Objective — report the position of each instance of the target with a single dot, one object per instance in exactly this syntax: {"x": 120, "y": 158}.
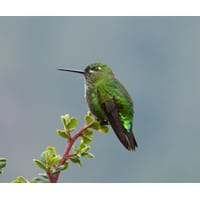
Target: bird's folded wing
{"x": 111, "y": 111}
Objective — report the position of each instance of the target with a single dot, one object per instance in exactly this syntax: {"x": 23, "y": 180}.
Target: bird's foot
{"x": 104, "y": 122}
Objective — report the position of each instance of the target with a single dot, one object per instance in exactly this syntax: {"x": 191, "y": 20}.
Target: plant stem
{"x": 67, "y": 155}
{"x": 50, "y": 177}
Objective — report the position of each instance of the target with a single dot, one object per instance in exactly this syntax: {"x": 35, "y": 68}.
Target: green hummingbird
{"x": 109, "y": 101}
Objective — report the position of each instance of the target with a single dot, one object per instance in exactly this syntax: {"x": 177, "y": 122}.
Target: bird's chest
{"x": 94, "y": 104}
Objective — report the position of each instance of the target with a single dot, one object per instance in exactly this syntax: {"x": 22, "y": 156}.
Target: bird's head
{"x": 93, "y": 72}
{"x": 96, "y": 71}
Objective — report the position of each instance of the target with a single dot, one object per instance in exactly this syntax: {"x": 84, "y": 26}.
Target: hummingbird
{"x": 109, "y": 101}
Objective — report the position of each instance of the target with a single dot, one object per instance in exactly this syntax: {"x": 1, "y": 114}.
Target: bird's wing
{"x": 110, "y": 108}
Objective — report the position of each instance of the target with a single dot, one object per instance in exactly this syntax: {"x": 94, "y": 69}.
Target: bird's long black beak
{"x": 71, "y": 70}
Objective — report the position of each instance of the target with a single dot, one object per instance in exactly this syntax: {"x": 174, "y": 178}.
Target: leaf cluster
{"x": 2, "y": 164}
{"x": 51, "y": 163}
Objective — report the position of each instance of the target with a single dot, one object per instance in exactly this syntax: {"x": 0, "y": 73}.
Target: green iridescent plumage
{"x": 109, "y": 101}
{"x": 109, "y": 88}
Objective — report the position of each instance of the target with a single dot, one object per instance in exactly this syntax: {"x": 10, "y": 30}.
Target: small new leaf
{"x": 103, "y": 129}
{"x": 84, "y": 149}
{"x": 87, "y": 155}
{"x": 82, "y": 144}
{"x": 65, "y": 120}
{"x": 95, "y": 125}
{"x": 88, "y": 132}
{"x": 55, "y": 160}
{"x": 40, "y": 164}
{"x": 49, "y": 156}
{"x": 51, "y": 150}
{"x": 20, "y": 179}
{"x": 63, "y": 133}
{"x": 89, "y": 118}
{"x": 43, "y": 175}
{"x": 2, "y": 164}
{"x": 86, "y": 139}
{"x": 39, "y": 180}
{"x": 61, "y": 168}
{"x": 76, "y": 160}
{"x": 72, "y": 124}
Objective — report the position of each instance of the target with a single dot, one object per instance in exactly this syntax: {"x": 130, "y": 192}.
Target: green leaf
{"x": 48, "y": 156}
{"x": 43, "y": 179}
{"x": 20, "y": 179}
{"x": 72, "y": 124}
{"x": 76, "y": 160}
{"x": 86, "y": 139}
{"x": 65, "y": 120}
{"x": 40, "y": 164}
{"x": 103, "y": 129}
{"x": 88, "y": 132}
{"x": 51, "y": 150}
{"x": 61, "y": 168}
{"x": 84, "y": 149}
{"x": 39, "y": 180}
{"x": 95, "y": 125}
{"x": 43, "y": 175}
{"x": 63, "y": 133}
{"x": 43, "y": 157}
{"x": 87, "y": 155}
{"x": 33, "y": 180}
{"x": 2, "y": 164}
{"x": 89, "y": 118}
{"x": 82, "y": 144}
{"x": 55, "y": 160}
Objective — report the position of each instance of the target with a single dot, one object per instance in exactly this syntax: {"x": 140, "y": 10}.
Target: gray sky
{"x": 156, "y": 58}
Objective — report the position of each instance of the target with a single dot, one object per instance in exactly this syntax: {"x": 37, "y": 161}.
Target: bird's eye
{"x": 91, "y": 71}
{"x": 95, "y": 69}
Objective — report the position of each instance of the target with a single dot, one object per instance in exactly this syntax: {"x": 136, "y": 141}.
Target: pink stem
{"x": 67, "y": 155}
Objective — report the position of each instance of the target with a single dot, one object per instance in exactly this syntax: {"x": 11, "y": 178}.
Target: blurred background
{"x": 156, "y": 58}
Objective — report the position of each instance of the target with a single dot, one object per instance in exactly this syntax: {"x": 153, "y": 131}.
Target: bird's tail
{"x": 125, "y": 137}
{"x": 132, "y": 141}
